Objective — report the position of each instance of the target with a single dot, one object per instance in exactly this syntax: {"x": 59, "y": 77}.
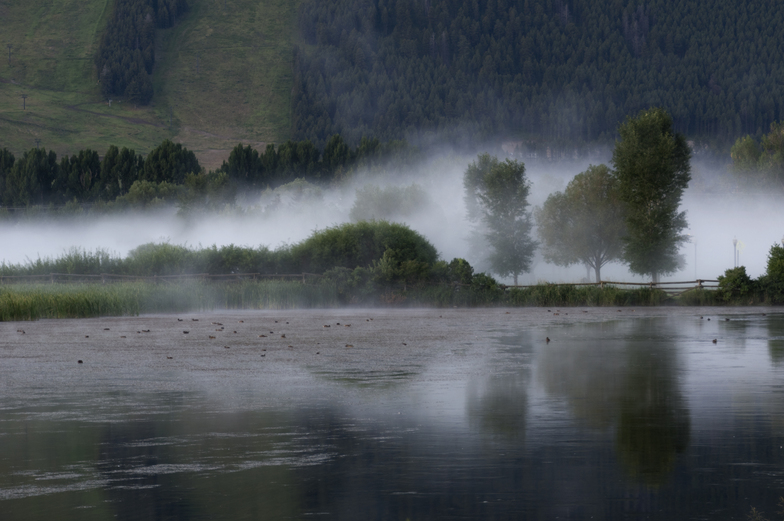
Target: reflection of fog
{"x": 628, "y": 384}
{"x": 498, "y": 405}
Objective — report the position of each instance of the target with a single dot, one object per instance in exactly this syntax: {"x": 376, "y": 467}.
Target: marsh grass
{"x": 557, "y": 295}
{"x": 699, "y": 297}
{"x": 536, "y": 296}
{"x": 35, "y": 301}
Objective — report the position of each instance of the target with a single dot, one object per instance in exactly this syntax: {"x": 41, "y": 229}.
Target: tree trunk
{"x": 598, "y": 270}
{"x": 515, "y": 279}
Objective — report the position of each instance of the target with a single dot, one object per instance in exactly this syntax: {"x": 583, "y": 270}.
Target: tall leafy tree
{"x": 761, "y": 164}
{"x": 584, "y": 223}
{"x": 170, "y": 162}
{"x": 501, "y": 197}
{"x": 652, "y": 165}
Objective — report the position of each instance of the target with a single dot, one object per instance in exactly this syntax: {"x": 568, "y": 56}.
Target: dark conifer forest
{"x": 561, "y": 71}
{"x": 127, "y": 51}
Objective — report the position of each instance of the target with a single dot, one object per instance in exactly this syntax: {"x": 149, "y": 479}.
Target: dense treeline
{"x": 122, "y": 175}
{"x": 558, "y": 70}
{"x": 276, "y": 166}
{"x": 127, "y": 50}
{"x": 760, "y": 163}
{"x": 37, "y": 178}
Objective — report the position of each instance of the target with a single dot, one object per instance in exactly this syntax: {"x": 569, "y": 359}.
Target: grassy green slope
{"x": 52, "y": 61}
{"x": 241, "y": 93}
{"x": 241, "y": 90}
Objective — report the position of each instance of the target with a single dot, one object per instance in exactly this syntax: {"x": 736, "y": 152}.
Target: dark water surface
{"x": 404, "y": 414}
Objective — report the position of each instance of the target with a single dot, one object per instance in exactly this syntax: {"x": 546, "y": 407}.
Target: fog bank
{"x": 292, "y": 214}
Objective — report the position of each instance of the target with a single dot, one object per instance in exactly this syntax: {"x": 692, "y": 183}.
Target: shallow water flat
{"x": 573, "y": 413}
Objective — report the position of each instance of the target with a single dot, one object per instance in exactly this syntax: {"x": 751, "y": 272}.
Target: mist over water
{"x": 715, "y": 215}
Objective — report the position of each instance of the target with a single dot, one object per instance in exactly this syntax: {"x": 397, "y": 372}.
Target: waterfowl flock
{"x": 221, "y": 329}
{"x": 292, "y": 339}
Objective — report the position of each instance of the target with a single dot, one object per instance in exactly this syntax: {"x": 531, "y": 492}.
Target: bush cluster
{"x": 736, "y": 287}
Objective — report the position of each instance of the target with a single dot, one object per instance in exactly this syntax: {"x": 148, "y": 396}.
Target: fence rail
{"x": 110, "y": 277}
{"x": 671, "y": 288}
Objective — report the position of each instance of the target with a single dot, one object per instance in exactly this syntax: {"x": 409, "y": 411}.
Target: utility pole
{"x": 24, "y": 101}
{"x": 37, "y": 143}
{"x": 735, "y": 251}
{"x": 9, "y": 52}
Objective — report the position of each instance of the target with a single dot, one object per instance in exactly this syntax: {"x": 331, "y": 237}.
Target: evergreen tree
{"x": 170, "y": 162}
{"x": 31, "y": 179}
{"x": 6, "y": 164}
{"x": 244, "y": 165}
{"x": 119, "y": 170}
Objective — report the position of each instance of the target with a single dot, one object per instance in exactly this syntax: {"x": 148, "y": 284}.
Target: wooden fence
{"x": 671, "y": 288}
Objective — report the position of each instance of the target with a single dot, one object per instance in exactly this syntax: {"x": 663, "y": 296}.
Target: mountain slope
{"x": 563, "y": 71}
{"x": 240, "y": 94}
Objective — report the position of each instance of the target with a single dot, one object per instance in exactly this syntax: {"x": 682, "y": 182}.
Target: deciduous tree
{"x": 585, "y": 222}
{"x": 499, "y": 191}
{"x": 652, "y": 164}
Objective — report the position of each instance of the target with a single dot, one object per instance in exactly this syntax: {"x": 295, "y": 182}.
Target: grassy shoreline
{"x": 38, "y": 301}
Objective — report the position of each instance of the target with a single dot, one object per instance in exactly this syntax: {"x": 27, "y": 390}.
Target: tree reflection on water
{"x": 630, "y": 386}
{"x": 498, "y": 405}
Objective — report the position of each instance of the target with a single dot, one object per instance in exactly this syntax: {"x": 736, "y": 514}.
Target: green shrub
{"x": 772, "y": 283}
{"x": 735, "y": 285}
{"x": 353, "y": 245}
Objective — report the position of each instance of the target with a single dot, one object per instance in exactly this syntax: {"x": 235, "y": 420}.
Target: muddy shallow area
{"x": 378, "y": 414}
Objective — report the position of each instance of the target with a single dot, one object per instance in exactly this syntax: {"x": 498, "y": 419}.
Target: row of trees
{"x": 38, "y": 178}
{"x": 126, "y": 54}
{"x": 628, "y": 214}
{"x": 560, "y": 70}
{"x": 276, "y": 166}
{"x": 761, "y": 162}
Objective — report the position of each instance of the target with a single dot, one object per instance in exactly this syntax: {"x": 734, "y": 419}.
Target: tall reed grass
{"x": 552, "y": 295}
{"x": 34, "y": 301}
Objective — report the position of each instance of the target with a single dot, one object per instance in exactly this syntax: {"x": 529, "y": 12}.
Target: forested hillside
{"x": 219, "y": 76}
{"x": 563, "y": 71}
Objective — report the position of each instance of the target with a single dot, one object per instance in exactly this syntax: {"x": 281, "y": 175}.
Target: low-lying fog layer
{"x": 715, "y": 217}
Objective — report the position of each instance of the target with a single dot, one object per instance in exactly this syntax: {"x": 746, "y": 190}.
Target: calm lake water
{"x": 402, "y": 414}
